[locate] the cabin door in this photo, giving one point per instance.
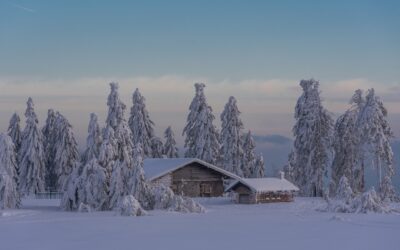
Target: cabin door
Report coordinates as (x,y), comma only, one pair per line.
(244,198)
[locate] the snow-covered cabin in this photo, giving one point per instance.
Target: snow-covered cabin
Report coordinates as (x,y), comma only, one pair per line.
(188,176)
(263,190)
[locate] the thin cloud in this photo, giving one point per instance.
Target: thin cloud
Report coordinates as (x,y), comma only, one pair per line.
(23,8)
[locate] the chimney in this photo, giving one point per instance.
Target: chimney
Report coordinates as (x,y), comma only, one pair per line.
(282,175)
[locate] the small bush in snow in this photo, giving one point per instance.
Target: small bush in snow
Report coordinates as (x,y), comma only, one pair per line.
(129,206)
(363,203)
(84,208)
(187,205)
(370,202)
(164,198)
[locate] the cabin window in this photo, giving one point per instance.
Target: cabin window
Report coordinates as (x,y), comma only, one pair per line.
(205,189)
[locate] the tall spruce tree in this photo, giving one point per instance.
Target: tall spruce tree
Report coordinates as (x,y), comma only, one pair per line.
(252,164)
(49,140)
(94,178)
(170,149)
(141,125)
(231,138)
(9,193)
(123,167)
(66,156)
(201,135)
(31,157)
(313,149)
(14,131)
(375,139)
(346,145)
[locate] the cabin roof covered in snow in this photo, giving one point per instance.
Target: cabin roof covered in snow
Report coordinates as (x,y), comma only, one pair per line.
(157,167)
(265,184)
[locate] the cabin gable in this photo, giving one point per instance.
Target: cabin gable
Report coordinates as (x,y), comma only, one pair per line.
(197,180)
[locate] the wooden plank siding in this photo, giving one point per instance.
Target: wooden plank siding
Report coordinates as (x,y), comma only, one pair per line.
(246,196)
(194,180)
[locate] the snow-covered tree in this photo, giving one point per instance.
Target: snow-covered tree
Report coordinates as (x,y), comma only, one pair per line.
(164,198)
(129,206)
(344,191)
(140,188)
(107,152)
(370,201)
(9,193)
(96,189)
(249,156)
(121,154)
(73,191)
(66,156)
(49,139)
(31,157)
(93,141)
(93,180)
(312,150)
(201,135)
(387,191)
(346,145)
(157,147)
(170,149)
(230,138)
(375,136)
(258,170)
(14,131)
(141,125)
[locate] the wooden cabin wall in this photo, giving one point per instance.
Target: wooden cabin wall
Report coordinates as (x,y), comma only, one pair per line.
(166,180)
(195,180)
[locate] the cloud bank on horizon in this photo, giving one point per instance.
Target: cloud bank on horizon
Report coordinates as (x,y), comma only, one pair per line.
(266,105)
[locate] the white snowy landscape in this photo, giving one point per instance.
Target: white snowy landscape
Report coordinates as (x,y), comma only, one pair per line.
(41,225)
(199,125)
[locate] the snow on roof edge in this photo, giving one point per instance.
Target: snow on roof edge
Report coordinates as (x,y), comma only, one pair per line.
(247,183)
(189,161)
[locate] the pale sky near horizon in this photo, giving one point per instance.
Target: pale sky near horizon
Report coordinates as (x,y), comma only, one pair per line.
(64,53)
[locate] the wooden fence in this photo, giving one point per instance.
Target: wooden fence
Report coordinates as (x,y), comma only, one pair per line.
(49,195)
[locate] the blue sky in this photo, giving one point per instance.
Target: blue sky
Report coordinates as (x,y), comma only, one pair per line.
(64,53)
(330,40)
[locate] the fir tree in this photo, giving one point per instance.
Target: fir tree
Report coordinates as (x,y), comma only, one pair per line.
(140,189)
(9,193)
(231,143)
(258,171)
(49,140)
(31,157)
(93,141)
(107,152)
(96,188)
(14,131)
(312,149)
(66,156)
(252,164)
(170,149)
(157,147)
(141,125)
(122,152)
(201,135)
(375,139)
(346,145)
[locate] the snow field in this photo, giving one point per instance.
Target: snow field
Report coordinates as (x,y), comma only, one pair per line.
(41,225)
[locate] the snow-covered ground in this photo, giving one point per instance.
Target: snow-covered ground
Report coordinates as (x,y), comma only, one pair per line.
(41,225)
